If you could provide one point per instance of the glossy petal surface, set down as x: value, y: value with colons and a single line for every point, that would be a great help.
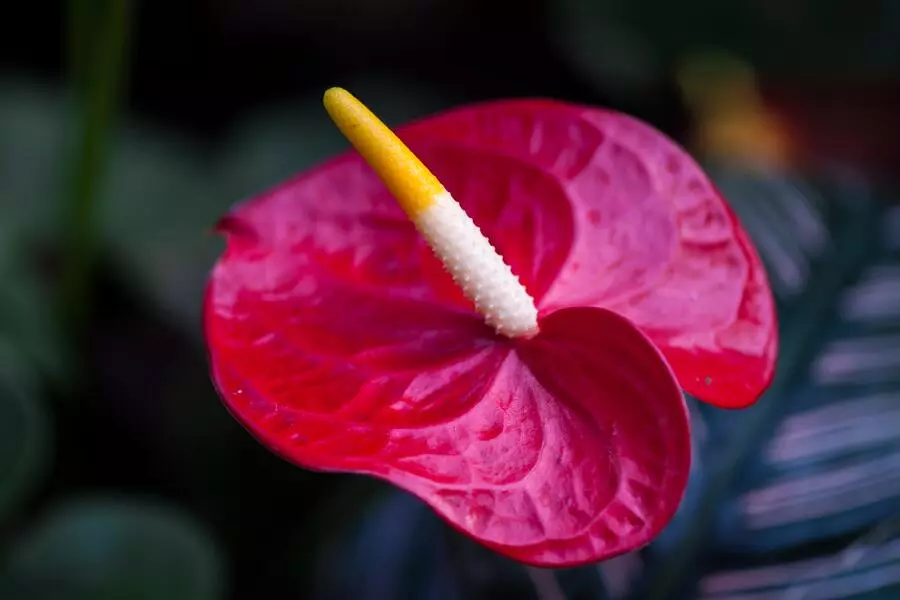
x: 651, y: 239
x: 555, y: 451
x: 339, y: 340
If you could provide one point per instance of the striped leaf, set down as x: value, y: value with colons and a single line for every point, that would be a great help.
x: 832, y: 464
x: 817, y: 461
x: 866, y: 569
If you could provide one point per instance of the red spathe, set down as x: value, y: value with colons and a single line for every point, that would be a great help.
x: 338, y: 339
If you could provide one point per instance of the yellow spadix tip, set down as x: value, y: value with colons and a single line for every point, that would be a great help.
x: 465, y: 252
x: 410, y: 182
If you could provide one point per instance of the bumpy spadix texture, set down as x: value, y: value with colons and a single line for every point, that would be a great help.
x: 481, y: 273
x: 339, y: 340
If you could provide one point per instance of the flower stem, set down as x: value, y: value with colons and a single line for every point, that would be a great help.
x: 98, y: 32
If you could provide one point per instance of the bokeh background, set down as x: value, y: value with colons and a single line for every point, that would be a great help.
x: 127, y: 127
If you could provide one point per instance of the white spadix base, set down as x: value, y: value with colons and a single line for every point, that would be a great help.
x: 477, y: 268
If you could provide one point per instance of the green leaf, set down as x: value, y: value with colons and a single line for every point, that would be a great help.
x: 114, y: 549
x: 157, y: 215
x: 29, y: 349
x: 25, y: 433
x: 27, y: 326
x: 31, y: 152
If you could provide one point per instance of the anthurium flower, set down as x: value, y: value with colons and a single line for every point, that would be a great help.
x: 504, y: 333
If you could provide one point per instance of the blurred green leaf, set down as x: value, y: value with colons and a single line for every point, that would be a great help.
x: 26, y: 320
x: 29, y: 349
x: 31, y: 152
x: 26, y: 313
x: 114, y: 549
x: 31, y: 121
x: 157, y: 215
x: 25, y: 433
